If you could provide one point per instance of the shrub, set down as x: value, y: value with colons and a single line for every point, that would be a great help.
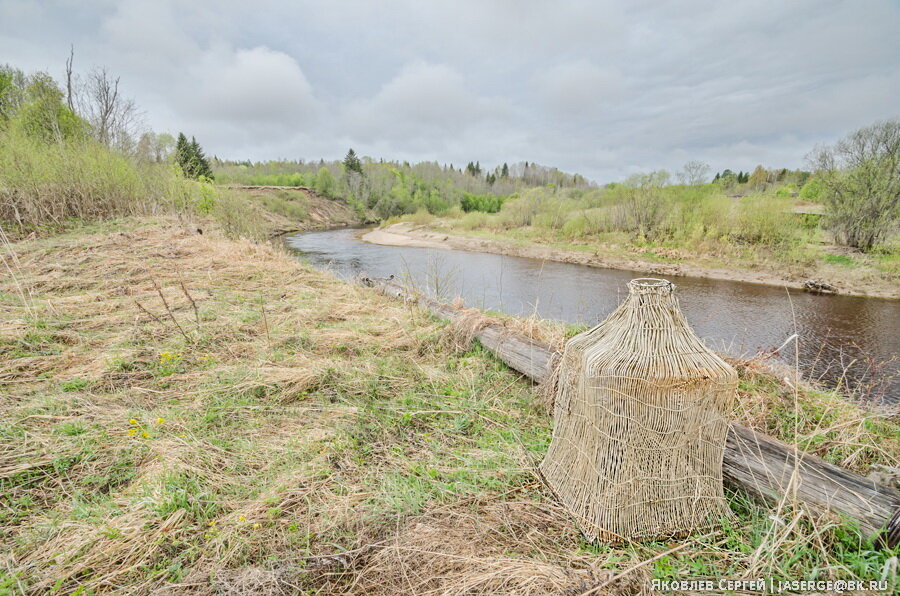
x: 518, y: 212
x: 237, y: 217
x: 812, y: 190
x: 641, y: 211
x: 702, y: 217
x: 486, y: 203
x: 48, y: 183
x: 421, y: 217
x: 474, y: 220
x: 433, y: 201
x: 860, y: 182
x: 586, y: 222
x: 786, y: 191
x: 764, y: 220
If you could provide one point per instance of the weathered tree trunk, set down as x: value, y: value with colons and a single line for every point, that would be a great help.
x: 754, y: 462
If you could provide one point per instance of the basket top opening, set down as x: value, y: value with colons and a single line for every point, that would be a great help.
x: 651, y: 284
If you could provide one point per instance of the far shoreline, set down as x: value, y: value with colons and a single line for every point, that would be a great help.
x: 408, y: 235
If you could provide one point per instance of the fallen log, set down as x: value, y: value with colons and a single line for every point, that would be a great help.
x: 753, y: 462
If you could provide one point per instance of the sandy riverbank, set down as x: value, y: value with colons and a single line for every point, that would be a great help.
x: 405, y: 234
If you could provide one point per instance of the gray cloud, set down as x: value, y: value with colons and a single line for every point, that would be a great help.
x: 577, y: 89
x: 424, y: 106
x: 600, y: 87
x: 254, y: 86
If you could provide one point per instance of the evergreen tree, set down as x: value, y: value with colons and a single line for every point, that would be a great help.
x: 200, y: 163
x: 504, y: 173
x: 189, y: 156
x: 352, y: 163
x: 183, y: 155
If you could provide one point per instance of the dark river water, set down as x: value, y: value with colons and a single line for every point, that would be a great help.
x: 846, y: 341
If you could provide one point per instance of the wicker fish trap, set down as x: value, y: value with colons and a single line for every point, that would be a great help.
x: 639, y: 423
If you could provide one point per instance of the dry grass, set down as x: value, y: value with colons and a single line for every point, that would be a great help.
x: 484, y: 548
x: 772, y: 401
x: 184, y: 413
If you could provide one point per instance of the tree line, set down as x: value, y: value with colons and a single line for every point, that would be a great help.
x: 94, y: 106
x: 857, y: 178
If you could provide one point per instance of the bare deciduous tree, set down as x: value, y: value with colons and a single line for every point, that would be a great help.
x: 694, y: 172
x: 114, y: 119
x: 860, y: 182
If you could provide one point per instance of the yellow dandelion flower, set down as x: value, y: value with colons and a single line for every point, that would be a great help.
x: 256, y: 525
x: 159, y: 420
x: 132, y: 421
x: 132, y: 432
x: 242, y: 518
x: 145, y: 434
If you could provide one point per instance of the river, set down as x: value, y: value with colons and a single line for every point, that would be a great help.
x: 847, y: 341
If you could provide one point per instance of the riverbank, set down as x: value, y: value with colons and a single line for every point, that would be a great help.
x: 855, y: 283
x: 185, y: 412
x: 280, y: 210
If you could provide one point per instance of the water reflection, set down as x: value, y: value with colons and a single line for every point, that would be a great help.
x: 842, y: 339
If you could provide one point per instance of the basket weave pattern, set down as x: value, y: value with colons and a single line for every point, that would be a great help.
x: 639, y: 423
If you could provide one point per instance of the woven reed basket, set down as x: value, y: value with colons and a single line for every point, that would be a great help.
x: 639, y: 423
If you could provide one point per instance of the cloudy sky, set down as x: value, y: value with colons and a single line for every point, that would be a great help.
x: 604, y: 88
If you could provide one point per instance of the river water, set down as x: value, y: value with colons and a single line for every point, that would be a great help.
x: 847, y: 341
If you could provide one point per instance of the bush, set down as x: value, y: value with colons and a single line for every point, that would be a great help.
x: 641, y: 211
x: 765, y: 220
x: 485, y: 203
x: 701, y: 217
x: 518, y: 212
x: 420, y: 217
x: 433, y: 202
x: 812, y: 190
x: 48, y: 183
x: 586, y: 222
x: 860, y: 184
x: 474, y: 220
x: 237, y: 217
x: 786, y: 191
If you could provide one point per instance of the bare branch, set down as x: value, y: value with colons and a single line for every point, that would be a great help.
x: 70, y: 98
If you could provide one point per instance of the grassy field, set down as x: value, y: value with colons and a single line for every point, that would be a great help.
x: 185, y: 413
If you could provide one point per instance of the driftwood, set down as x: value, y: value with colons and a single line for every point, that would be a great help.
x: 753, y: 462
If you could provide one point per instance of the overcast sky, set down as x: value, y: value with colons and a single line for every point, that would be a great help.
x: 603, y: 88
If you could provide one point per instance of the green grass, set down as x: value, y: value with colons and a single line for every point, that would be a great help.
x: 840, y: 260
